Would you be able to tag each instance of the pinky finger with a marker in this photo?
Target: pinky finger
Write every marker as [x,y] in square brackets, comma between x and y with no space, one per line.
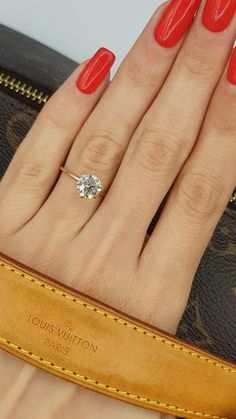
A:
[34,168]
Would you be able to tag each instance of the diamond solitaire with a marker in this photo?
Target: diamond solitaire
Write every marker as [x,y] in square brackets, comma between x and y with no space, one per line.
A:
[88,186]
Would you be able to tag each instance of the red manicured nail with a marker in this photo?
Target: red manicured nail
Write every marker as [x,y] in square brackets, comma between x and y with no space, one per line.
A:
[231,73]
[95,71]
[217,14]
[175,21]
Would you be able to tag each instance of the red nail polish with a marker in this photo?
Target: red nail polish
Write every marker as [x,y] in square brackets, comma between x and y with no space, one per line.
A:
[217,14]
[175,21]
[95,71]
[231,73]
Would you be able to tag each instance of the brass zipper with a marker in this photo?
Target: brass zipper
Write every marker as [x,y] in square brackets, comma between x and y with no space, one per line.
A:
[22,88]
[40,97]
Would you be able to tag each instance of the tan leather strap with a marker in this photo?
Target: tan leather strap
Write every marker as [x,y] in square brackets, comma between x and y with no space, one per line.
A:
[84,341]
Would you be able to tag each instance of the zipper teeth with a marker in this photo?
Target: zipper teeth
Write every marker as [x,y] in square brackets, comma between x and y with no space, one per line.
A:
[40,97]
[23,89]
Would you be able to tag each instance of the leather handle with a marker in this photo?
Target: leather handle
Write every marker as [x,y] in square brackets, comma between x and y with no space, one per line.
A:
[84,341]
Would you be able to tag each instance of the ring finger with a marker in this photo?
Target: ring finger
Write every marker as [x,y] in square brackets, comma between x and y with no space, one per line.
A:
[34,168]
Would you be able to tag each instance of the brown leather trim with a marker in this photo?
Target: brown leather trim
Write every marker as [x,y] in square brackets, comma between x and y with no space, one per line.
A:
[89,343]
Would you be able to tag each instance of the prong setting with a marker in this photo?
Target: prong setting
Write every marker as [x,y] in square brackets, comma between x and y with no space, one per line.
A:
[88,185]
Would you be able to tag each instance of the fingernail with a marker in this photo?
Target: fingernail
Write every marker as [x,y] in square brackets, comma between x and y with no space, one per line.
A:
[95,71]
[231,73]
[217,14]
[175,21]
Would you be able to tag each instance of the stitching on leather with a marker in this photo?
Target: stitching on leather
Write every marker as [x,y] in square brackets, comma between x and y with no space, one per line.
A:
[106,386]
[115,318]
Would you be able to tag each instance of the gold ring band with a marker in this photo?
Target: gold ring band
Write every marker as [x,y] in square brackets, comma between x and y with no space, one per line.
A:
[63,169]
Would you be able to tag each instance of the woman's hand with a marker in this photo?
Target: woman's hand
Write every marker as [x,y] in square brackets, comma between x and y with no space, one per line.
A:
[167,120]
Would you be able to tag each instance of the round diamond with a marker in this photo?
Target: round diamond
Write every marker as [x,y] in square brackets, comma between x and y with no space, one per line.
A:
[88,186]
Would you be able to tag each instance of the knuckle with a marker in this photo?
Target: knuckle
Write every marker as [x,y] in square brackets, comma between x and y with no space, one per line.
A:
[198,195]
[221,119]
[158,151]
[33,173]
[138,74]
[54,117]
[103,151]
[197,63]
[224,125]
